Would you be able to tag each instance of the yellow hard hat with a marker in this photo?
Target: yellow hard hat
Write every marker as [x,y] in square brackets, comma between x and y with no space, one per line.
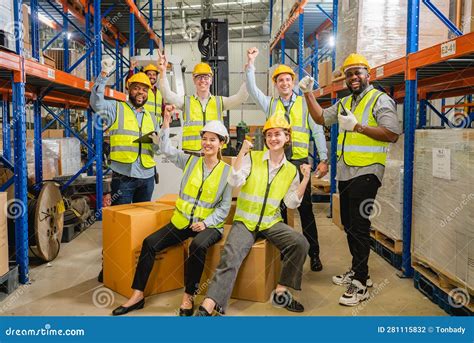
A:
[202,69]
[283,69]
[355,60]
[275,122]
[140,78]
[150,67]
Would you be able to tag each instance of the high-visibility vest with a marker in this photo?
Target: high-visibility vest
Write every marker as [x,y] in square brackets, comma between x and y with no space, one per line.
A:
[198,198]
[153,104]
[258,204]
[195,117]
[298,119]
[125,130]
[359,150]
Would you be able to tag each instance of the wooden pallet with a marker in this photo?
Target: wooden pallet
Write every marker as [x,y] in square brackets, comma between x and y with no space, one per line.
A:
[441,279]
[395,245]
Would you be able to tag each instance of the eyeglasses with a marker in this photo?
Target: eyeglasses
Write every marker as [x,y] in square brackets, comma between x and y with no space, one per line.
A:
[202,77]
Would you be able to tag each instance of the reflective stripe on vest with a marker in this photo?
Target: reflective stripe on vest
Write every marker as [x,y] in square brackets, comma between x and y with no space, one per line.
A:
[198,198]
[258,204]
[153,104]
[298,119]
[195,118]
[125,130]
[359,150]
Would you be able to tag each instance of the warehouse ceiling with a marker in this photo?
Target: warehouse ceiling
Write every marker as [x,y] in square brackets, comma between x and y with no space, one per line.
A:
[247,18]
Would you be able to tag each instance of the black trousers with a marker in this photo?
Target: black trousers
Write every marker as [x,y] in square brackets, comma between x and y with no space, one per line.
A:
[308,221]
[168,236]
[357,198]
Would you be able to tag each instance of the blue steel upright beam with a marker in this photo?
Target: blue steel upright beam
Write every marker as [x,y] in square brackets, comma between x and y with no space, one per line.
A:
[131,39]
[38,142]
[6,128]
[67,112]
[19,126]
[314,60]
[34,32]
[422,115]
[282,47]
[98,139]
[271,22]
[409,129]
[89,118]
[151,44]
[334,127]
[301,44]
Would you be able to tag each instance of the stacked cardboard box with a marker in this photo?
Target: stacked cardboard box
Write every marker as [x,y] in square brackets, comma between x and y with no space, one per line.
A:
[124,229]
[377,29]
[467,16]
[49,133]
[258,274]
[3,235]
[443,200]
[324,73]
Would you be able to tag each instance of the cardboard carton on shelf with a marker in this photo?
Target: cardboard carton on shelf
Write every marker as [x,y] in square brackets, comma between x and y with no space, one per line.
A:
[3,235]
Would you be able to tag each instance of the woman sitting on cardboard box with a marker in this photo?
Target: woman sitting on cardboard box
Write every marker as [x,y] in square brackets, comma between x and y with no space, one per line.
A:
[201,209]
[266,178]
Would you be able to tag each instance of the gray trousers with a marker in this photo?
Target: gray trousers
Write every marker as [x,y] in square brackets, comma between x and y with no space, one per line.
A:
[237,246]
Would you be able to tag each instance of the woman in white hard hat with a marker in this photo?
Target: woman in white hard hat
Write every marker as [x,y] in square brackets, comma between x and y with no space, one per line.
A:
[201,209]
[266,178]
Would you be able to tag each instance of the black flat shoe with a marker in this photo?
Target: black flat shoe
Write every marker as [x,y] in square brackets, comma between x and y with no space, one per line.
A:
[124,310]
[285,300]
[315,263]
[100,278]
[295,306]
[186,312]
[202,312]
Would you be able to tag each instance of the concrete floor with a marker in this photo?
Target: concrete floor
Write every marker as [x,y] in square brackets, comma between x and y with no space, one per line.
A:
[68,285]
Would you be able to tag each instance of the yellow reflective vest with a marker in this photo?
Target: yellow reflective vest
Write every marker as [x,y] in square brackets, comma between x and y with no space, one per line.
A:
[125,130]
[356,149]
[258,204]
[298,119]
[198,198]
[195,117]
[153,104]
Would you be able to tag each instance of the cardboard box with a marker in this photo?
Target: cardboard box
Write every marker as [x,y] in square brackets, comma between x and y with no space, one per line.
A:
[50,133]
[168,199]
[26,24]
[324,73]
[230,161]
[258,275]
[124,229]
[3,235]
[336,211]
[467,16]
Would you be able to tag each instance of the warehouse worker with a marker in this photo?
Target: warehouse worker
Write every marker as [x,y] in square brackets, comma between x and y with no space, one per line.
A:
[201,107]
[155,102]
[266,178]
[366,127]
[201,209]
[293,108]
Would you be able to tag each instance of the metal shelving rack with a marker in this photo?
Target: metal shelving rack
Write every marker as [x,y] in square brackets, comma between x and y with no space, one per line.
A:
[23,80]
[438,72]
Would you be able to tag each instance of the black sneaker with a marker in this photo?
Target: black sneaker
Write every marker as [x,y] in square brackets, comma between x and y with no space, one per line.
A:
[202,312]
[285,300]
[315,263]
[355,294]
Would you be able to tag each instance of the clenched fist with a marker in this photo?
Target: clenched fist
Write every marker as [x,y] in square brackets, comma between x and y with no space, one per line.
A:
[252,53]
[305,170]
[306,84]
[108,65]
[246,146]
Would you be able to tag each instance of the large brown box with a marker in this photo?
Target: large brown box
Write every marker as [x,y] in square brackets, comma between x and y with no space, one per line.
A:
[3,235]
[336,211]
[258,275]
[324,73]
[124,228]
[168,199]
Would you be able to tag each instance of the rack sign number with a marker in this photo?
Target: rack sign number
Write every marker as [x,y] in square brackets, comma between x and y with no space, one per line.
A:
[448,48]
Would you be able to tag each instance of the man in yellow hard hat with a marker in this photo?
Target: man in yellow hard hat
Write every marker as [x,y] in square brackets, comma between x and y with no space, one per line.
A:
[294,109]
[133,164]
[201,107]
[368,122]
[154,103]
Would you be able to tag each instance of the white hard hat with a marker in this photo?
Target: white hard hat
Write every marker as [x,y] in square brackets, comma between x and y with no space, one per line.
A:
[216,126]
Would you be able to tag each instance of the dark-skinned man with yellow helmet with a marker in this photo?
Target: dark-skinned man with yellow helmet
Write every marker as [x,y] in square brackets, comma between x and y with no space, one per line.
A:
[293,107]
[368,122]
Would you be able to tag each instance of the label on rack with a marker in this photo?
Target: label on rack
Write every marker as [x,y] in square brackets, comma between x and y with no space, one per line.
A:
[448,48]
[442,163]
[86,85]
[111,92]
[51,73]
[321,91]
[379,72]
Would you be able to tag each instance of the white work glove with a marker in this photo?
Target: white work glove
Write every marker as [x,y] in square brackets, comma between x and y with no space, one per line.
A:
[347,122]
[306,84]
[108,65]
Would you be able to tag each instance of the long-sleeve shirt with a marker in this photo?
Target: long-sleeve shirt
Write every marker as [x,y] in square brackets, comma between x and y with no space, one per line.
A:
[263,101]
[107,110]
[179,158]
[385,114]
[238,177]
[228,102]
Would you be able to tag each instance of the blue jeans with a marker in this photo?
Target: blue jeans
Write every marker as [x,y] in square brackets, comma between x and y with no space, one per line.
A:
[127,190]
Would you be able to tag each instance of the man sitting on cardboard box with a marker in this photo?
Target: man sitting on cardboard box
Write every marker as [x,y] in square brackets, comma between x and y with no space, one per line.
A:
[266,178]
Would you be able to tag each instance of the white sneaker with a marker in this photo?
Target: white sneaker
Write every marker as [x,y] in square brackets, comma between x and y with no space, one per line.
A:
[346,279]
[354,294]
